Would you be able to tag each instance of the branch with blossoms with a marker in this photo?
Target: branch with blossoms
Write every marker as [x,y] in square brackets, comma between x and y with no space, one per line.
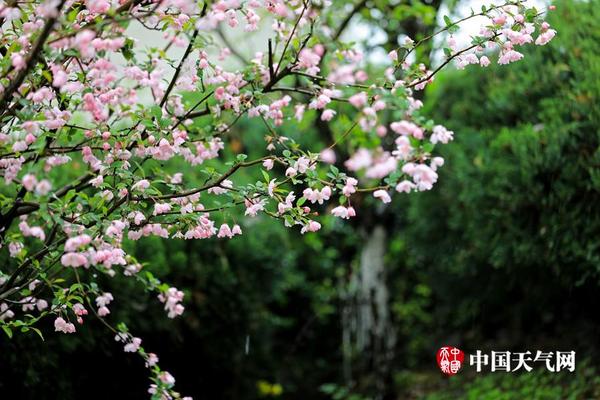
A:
[106,139]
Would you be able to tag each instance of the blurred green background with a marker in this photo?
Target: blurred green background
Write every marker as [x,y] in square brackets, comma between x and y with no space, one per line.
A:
[503,254]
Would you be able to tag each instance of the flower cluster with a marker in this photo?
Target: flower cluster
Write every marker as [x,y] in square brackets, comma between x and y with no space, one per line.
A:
[105,139]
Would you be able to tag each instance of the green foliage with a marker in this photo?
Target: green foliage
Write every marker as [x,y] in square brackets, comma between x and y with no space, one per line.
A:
[532,386]
[506,242]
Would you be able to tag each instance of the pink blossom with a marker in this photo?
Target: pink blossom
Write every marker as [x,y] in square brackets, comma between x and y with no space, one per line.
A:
[177,178]
[500,19]
[73,260]
[405,186]
[358,100]
[312,226]
[510,56]
[236,230]
[172,299]
[161,208]
[133,345]
[14,248]
[103,311]
[327,115]
[315,195]
[350,186]
[225,231]
[60,325]
[545,37]
[166,378]
[104,299]
[343,212]
[299,111]
[268,164]
[152,360]
[29,181]
[407,128]
[328,156]
[382,195]
[441,134]
[75,243]
[253,207]
[97,6]
[141,185]
[18,61]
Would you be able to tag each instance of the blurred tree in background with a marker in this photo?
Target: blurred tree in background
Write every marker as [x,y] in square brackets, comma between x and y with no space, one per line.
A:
[502,254]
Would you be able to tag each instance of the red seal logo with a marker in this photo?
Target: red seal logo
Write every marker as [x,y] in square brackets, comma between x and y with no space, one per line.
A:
[450,359]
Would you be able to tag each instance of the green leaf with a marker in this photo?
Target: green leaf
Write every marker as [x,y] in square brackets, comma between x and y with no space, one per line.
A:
[265,175]
[7,330]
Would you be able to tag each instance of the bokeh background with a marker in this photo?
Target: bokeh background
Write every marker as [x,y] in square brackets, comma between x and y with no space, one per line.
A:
[503,254]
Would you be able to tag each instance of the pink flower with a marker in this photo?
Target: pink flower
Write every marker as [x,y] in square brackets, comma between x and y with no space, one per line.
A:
[29,181]
[382,195]
[484,61]
[436,162]
[299,111]
[441,134]
[103,311]
[350,186]
[343,212]
[74,243]
[60,325]
[500,19]
[73,260]
[133,346]
[18,61]
[407,128]
[14,248]
[236,230]
[271,187]
[163,151]
[41,304]
[315,196]
[177,178]
[290,172]
[405,186]
[312,226]
[97,181]
[358,100]
[328,156]
[225,231]
[545,37]
[327,115]
[97,6]
[60,77]
[268,164]
[141,185]
[172,299]
[19,146]
[253,207]
[152,360]
[104,299]
[161,208]
[509,56]
[79,310]
[166,378]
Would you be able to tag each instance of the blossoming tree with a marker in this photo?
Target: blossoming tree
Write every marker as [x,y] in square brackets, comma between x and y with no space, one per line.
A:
[94,122]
